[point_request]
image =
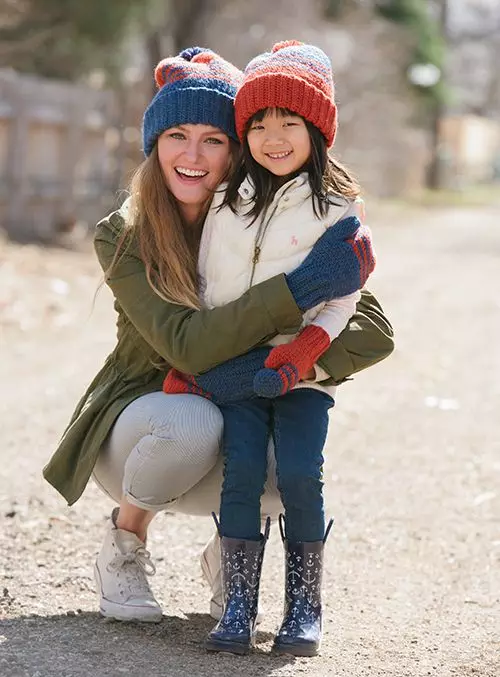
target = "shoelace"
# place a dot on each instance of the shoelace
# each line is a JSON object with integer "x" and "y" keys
{"x": 139, "y": 559}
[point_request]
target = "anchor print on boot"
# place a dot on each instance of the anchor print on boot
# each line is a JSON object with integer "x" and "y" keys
{"x": 300, "y": 631}
{"x": 241, "y": 566}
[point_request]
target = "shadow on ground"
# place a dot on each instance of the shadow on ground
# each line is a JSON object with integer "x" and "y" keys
{"x": 87, "y": 645}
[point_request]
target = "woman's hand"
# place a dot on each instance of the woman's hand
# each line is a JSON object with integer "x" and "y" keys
{"x": 229, "y": 382}
{"x": 339, "y": 264}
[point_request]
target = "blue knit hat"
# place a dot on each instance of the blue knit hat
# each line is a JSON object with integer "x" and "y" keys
{"x": 197, "y": 87}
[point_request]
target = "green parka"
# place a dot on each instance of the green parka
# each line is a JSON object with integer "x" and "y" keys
{"x": 150, "y": 330}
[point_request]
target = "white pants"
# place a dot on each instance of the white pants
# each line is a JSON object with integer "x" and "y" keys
{"x": 163, "y": 453}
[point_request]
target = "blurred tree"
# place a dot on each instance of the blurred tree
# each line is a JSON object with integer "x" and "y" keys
{"x": 423, "y": 31}
{"x": 170, "y": 26}
{"x": 427, "y": 33}
{"x": 428, "y": 24}
{"x": 64, "y": 38}
{"x": 435, "y": 169}
{"x": 474, "y": 40}
{"x": 333, "y": 9}
{"x": 485, "y": 30}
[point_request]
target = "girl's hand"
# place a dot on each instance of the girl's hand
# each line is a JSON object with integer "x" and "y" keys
{"x": 288, "y": 363}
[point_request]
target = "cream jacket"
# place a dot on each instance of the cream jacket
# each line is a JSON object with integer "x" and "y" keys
{"x": 235, "y": 255}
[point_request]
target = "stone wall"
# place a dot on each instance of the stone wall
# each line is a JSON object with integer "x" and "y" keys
{"x": 57, "y": 159}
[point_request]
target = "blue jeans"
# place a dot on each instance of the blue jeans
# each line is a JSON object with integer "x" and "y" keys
{"x": 298, "y": 422}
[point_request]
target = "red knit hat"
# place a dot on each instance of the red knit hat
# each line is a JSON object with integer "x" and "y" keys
{"x": 294, "y": 76}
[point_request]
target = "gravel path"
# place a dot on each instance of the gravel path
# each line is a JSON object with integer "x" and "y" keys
{"x": 413, "y": 573}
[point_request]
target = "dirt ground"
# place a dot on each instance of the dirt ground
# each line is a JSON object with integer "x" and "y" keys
{"x": 412, "y": 582}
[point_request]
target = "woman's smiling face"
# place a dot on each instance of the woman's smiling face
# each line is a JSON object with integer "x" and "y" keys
{"x": 194, "y": 160}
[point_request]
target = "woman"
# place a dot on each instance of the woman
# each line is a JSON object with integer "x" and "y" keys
{"x": 148, "y": 450}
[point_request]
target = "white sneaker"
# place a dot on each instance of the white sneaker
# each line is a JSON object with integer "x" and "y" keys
{"x": 120, "y": 572}
{"x": 210, "y": 567}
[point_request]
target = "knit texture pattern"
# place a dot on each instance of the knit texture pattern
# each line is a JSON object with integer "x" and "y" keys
{"x": 294, "y": 76}
{"x": 195, "y": 87}
{"x": 339, "y": 264}
{"x": 289, "y": 363}
{"x": 231, "y": 381}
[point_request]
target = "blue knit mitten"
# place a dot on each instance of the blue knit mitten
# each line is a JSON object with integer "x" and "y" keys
{"x": 338, "y": 264}
{"x": 231, "y": 381}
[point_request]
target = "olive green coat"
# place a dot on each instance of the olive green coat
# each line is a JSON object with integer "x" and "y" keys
{"x": 150, "y": 330}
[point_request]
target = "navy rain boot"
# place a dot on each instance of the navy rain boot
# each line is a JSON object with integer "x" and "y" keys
{"x": 300, "y": 631}
{"x": 241, "y": 566}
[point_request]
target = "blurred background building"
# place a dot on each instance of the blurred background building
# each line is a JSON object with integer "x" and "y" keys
{"x": 417, "y": 82}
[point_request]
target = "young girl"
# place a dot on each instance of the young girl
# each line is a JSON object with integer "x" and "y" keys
{"x": 284, "y": 195}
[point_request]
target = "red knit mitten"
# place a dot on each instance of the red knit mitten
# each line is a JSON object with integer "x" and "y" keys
{"x": 289, "y": 363}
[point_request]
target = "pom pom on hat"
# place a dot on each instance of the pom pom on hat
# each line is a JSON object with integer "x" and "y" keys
{"x": 189, "y": 52}
{"x": 170, "y": 68}
{"x": 286, "y": 43}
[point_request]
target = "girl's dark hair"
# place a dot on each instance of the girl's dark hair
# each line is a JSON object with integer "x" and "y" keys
{"x": 326, "y": 174}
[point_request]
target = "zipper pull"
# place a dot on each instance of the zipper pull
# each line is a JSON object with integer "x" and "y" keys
{"x": 256, "y": 254}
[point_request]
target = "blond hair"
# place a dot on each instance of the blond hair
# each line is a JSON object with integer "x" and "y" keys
{"x": 168, "y": 246}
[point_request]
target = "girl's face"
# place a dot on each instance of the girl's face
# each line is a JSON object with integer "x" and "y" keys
{"x": 194, "y": 160}
{"x": 280, "y": 143}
